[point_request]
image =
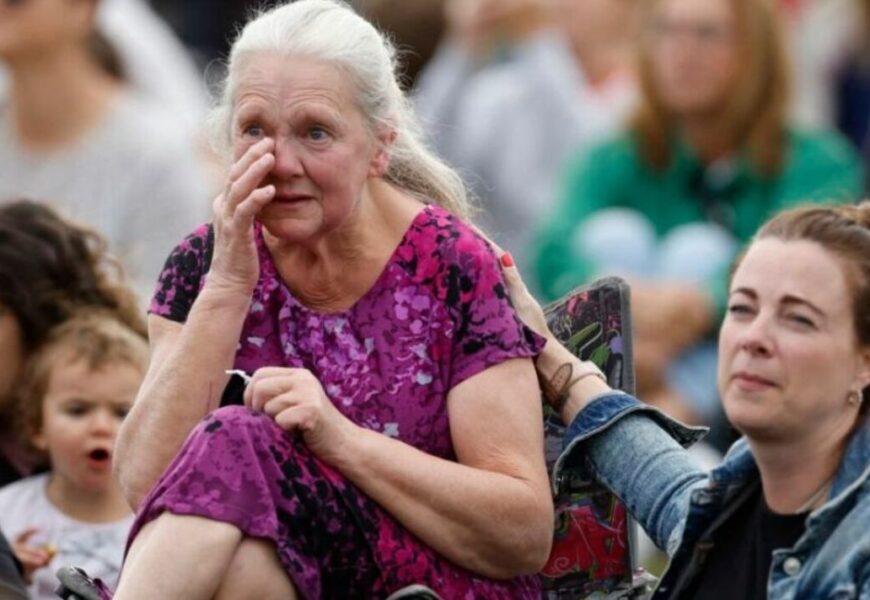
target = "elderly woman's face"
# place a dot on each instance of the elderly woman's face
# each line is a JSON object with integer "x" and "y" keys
{"x": 11, "y": 351}
{"x": 324, "y": 150}
{"x": 693, "y": 50}
{"x": 788, "y": 352}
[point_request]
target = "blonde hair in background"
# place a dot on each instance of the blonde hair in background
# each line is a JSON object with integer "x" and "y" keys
{"x": 331, "y": 32}
{"x": 756, "y": 112}
{"x": 95, "y": 337}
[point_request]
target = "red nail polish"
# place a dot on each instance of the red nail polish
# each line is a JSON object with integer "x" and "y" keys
{"x": 507, "y": 260}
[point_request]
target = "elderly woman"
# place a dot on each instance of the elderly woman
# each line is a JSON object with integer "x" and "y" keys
{"x": 785, "y": 515}
{"x": 338, "y": 272}
{"x": 708, "y": 156}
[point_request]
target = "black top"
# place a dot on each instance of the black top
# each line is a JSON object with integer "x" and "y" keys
{"x": 738, "y": 565}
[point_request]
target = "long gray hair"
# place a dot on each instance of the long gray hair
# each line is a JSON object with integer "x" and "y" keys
{"x": 331, "y": 32}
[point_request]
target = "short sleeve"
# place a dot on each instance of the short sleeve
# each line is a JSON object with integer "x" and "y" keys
{"x": 182, "y": 276}
{"x": 487, "y": 330}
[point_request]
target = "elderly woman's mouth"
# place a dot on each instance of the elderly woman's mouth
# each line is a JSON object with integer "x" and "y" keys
{"x": 291, "y": 198}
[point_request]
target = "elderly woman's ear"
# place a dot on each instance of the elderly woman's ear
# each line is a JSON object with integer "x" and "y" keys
{"x": 385, "y": 138}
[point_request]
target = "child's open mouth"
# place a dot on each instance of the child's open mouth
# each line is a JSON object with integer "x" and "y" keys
{"x": 99, "y": 456}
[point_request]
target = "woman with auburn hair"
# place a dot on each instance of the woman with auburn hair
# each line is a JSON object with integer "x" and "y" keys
{"x": 785, "y": 515}
{"x": 709, "y": 155}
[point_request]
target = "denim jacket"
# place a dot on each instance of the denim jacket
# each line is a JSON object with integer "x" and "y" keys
{"x": 638, "y": 452}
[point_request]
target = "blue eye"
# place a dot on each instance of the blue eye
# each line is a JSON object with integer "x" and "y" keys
{"x": 317, "y": 134}
{"x": 252, "y": 131}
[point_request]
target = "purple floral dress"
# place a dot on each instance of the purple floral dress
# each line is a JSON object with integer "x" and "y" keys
{"x": 437, "y": 315}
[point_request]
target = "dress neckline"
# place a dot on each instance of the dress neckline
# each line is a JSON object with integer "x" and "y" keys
{"x": 271, "y": 281}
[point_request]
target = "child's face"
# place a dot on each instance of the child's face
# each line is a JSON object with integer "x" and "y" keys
{"x": 81, "y": 413}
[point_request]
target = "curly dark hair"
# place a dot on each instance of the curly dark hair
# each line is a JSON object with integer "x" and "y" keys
{"x": 49, "y": 267}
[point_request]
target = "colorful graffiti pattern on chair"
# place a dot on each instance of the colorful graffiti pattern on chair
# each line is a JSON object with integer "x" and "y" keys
{"x": 592, "y": 548}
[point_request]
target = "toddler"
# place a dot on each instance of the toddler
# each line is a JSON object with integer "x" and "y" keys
{"x": 74, "y": 393}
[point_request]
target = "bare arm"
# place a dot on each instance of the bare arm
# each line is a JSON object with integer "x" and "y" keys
{"x": 186, "y": 377}
{"x": 491, "y": 512}
{"x": 184, "y": 383}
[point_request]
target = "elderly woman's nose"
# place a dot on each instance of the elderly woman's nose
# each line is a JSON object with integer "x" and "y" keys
{"x": 288, "y": 162}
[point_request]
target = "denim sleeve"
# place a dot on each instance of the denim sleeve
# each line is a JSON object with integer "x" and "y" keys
{"x": 639, "y": 453}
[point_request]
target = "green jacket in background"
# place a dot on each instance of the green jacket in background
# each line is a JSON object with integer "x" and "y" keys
{"x": 817, "y": 167}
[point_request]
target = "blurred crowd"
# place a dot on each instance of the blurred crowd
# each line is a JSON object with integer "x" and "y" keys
{"x": 647, "y": 139}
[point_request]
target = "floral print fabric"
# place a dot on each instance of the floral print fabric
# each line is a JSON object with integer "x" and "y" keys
{"x": 437, "y": 315}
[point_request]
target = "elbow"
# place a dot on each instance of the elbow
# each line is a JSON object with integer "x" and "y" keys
{"x": 131, "y": 483}
{"x": 524, "y": 548}
{"x": 532, "y": 551}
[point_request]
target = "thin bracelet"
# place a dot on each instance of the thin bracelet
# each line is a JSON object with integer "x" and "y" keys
{"x": 556, "y": 390}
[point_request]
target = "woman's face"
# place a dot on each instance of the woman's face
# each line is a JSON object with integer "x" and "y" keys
{"x": 693, "y": 51}
{"x": 324, "y": 150}
{"x": 28, "y": 27}
{"x": 11, "y": 351}
{"x": 788, "y": 353}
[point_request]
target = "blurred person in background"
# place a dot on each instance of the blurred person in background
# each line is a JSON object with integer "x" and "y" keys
{"x": 416, "y": 28}
{"x": 155, "y": 62}
{"x": 819, "y": 34}
{"x": 853, "y": 88}
{"x": 709, "y": 155}
{"x": 518, "y": 86}
{"x": 49, "y": 267}
{"x": 73, "y": 131}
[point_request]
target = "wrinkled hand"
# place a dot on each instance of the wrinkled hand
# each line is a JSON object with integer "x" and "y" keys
{"x": 295, "y": 399}
{"x": 235, "y": 265}
{"x": 32, "y": 558}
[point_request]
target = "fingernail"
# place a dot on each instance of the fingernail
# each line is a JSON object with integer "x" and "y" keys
{"x": 507, "y": 260}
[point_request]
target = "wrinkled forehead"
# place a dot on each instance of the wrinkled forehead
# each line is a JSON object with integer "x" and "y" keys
{"x": 282, "y": 77}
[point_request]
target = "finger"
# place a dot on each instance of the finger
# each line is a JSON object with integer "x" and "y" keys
{"x": 32, "y": 557}
{"x": 280, "y": 403}
{"x": 251, "y": 155}
{"x": 297, "y": 418}
{"x": 241, "y": 188}
{"x": 266, "y": 372}
{"x": 25, "y": 535}
{"x": 267, "y": 388}
{"x": 250, "y": 207}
